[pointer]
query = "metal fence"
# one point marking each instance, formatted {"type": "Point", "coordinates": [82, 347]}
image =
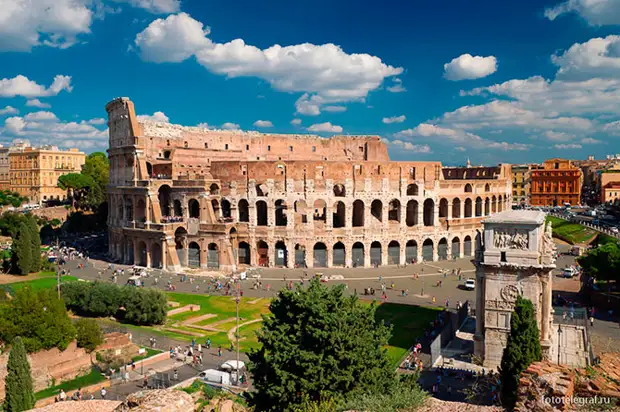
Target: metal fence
{"type": "Point", "coordinates": [576, 317]}
{"type": "Point", "coordinates": [585, 223]}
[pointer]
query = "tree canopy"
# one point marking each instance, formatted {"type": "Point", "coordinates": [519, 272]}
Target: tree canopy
{"type": "Point", "coordinates": [19, 392]}
{"type": "Point", "coordinates": [318, 343]}
{"type": "Point", "coordinates": [602, 262]}
{"type": "Point", "coordinates": [87, 189]}
{"type": "Point", "coordinates": [522, 348]}
{"type": "Point", "coordinates": [39, 317]}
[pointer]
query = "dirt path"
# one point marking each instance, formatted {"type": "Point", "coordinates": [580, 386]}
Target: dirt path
{"type": "Point", "coordinates": [6, 279]}
{"type": "Point", "coordinates": [231, 333]}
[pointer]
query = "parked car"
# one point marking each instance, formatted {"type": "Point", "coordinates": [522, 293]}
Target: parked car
{"type": "Point", "coordinates": [569, 272]}
{"type": "Point", "coordinates": [470, 284]}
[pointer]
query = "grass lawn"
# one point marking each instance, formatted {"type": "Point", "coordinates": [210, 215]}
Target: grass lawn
{"type": "Point", "coordinates": [149, 352]}
{"type": "Point", "coordinates": [80, 382]}
{"type": "Point", "coordinates": [408, 322]}
{"type": "Point", "coordinates": [571, 232]}
{"type": "Point", "coordinates": [43, 282]}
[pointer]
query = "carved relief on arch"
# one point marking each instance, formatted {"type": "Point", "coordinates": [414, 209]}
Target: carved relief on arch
{"type": "Point", "coordinates": [510, 293]}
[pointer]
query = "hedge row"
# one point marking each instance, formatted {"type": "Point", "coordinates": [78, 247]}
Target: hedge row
{"type": "Point", "coordinates": [127, 303]}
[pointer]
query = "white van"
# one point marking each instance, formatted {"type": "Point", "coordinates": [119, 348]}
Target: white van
{"type": "Point", "coordinates": [215, 376]}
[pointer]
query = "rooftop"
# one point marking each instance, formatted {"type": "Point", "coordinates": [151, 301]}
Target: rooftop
{"type": "Point", "coordinates": [517, 216]}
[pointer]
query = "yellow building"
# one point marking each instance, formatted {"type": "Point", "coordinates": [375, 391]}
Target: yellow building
{"type": "Point", "coordinates": [521, 184]}
{"type": "Point", "coordinates": [34, 171]}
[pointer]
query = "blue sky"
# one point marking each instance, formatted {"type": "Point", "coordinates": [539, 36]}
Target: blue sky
{"type": "Point", "coordinates": [445, 80]}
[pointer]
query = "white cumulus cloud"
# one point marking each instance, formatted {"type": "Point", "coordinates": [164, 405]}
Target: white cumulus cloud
{"type": "Point", "coordinates": [155, 6]}
{"type": "Point", "coordinates": [203, 125]}
{"type": "Point", "coordinates": [230, 126]}
{"type": "Point", "coordinates": [335, 109]}
{"type": "Point", "coordinates": [408, 146]}
{"type": "Point", "coordinates": [598, 57]}
{"type": "Point", "coordinates": [155, 117]}
{"type": "Point", "coordinates": [22, 86]}
{"type": "Point", "coordinates": [567, 146]}
{"type": "Point", "coordinates": [45, 128]}
{"type": "Point", "coordinates": [8, 110]}
{"type": "Point", "coordinates": [97, 121]}
{"type": "Point", "coordinates": [263, 123]}
{"type": "Point", "coordinates": [326, 74]}
{"type": "Point", "coordinates": [42, 116]}
{"type": "Point", "coordinates": [397, 86]}
{"type": "Point", "coordinates": [595, 12]}
{"type": "Point", "coordinates": [37, 103]}
{"type": "Point", "coordinates": [296, 122]}
{"type": "Point", "coordinates": [394, 119]}
{"type": "Point", "coordinates": [467, 67]}
{"type": "Point", "coordinates": [326, 127]}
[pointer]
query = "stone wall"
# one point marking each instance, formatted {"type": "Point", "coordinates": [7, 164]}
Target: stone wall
{"type": "Point", "coordinates": [57, 212]}
{"type": "Point", "coordinates": [54, 366]}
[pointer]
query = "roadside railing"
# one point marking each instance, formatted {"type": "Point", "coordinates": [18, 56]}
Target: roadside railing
{"type": "Point", "coordinates": [585, 223]}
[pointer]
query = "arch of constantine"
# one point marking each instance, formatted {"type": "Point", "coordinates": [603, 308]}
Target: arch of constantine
{"type": "Point", "coordinates": [221, 200]}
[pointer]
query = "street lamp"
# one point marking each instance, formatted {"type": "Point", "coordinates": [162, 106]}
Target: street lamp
{"type": "Point", "coordinates": [237, 300]}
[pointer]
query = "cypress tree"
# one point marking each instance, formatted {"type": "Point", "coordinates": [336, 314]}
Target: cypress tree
{"type": "Point", "coordinates": [22, 250]}
{"type": "Point", "coordinates": [522, 348]}
{"type": "Point", "coordinates": [19, 395]}
{"type": "Point", "coordinates": [35, 242]}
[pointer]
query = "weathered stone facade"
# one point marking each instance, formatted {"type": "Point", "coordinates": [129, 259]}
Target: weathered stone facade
{"type": "Point", "coordinates": [516, 259]}
{"type": "Point", "coordinates": [214, 199]}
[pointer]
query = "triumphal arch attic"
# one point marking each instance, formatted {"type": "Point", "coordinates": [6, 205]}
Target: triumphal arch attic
{"type": "Point", "coordinates": [223, 200]}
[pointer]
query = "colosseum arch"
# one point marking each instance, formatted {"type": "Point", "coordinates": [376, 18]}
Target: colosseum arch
{"type": "Point", "coordinates": [487, 206]}
{"type": "Point", "coordinates": [468, 208]}
{"type": "Point", "coordinates": [428, 250]}
{"type": "Point", "coordinates": [262, 253]}
{"type": "Point", "coordinates": [411, 251]}
{"type": "Point", "coordinates": [156, 261]}
{"type": "Point", "coordinates": [394, 211]}
{"type": "Point", "coordinates": [487, 187]}
{"type": "Point", "coordinates": [226, 209]}
{"type": "Point", "coordinates": [214, 189]}
{"type": "Point", "coordinates": [375, 253]}
{"type": "Point", "coordinates": [163, 195]}
{"type": "Point", "coordinates": [478, 206]}
{"type": "Point", "coordinates": [301, 210]}
{"type": "Point", "coordinates": [429, 212]}
{"type": "Point", "coordinates": [500, 205]}
{"type": "Point", "coordinates": [142, 251]}
{"type": "Point", "coordinates": [213, 256]}
{"type": "Point", "coordinates": [358, 214]}
{"type": "Point", "coordinates": [412, 190]}
{"type": "Point", "coordinates": [244, 253]}
{"type": "Point", "coordinates": [456, 208]}
{"type": "Point", "coordinates": [339, 252]}
{"type": "Point", "coordinates": [394, 253]}
{"type": "Point", "coordinates": [456, 247]}
{"type": "Point", "coordinates": [281, 216]}
{"type": "Point", "coordinates": [128, 208]}
{"type": "Point", "coordinates": [467, 247]}
{"type": "Point", "coordinates": [443, 208]}
{"type": "Point", "coordinates": [339, 214]}
{"type": "Point", "coordinates": [376, 211]}
{"type": "Point", "coordinates": [243, 207]}
{"type": "Point", "coordinates": [320, 255]}
{"type": "Point", "coordinates": [193, 255]}
{"type": "Point", "coordinates": [339, 190]}
{"type": "Point", "coordinates": [194, 208]}
{"type": "Point", "coordinates": [357, 254]}
{"type": "Point", "coordinates": [468, 188]}
{"type": "Point", "coordinates": [177, 208]}
{"type": "Point", "coordinates": [320, 211]}
{"type": "Point", "coordinates": [261, 213]}
{"type": "Point", "coordinates": [442, 249]}
{"type": "Point", "coordinates": [412, 213]}
{"type": "Point", "coordinates": [281, 259]}
{"type": "Point", "coordinates": [493, 204]}
{"type": "Point", "coordinates": [300, 256]}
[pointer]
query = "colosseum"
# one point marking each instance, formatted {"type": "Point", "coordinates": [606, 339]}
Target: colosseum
{"type": "Point", "coordinates": [190, 197]}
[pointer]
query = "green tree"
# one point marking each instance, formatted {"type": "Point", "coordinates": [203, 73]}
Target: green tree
{"type": "Point", "coordinates": [97, 167]}
{"type": "Point", "coordinates": [522, 349]}
{"type": "Point", "coordinates": [10, 223]}
{"type": "Point", "coordinates": [145, 306]}
{"type": "Point", "coordinates": [39, 318]}
{"type": "Point", "coordinates": [77, 186]}
{"type": "Point", "coordinates": [19, 392]}
{"type": "Point", "coordinates": [23, 261]}
{"type": "Point", "coordinates": [89, 334]}
{"type": "Point", "coordinates": [603, 262]}
{"type": "Point", "coordinates": [35, 242]}
{"type": "Point", "coordinates": [318, 344]}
